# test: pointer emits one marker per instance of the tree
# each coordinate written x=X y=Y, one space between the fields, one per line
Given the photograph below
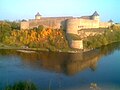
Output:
x=15 y=25
x=40 y=27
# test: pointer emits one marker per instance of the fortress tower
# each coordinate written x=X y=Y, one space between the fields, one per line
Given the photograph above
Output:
x=84 y=22
x=111 y=22
x=95 y=16
x=37 y=16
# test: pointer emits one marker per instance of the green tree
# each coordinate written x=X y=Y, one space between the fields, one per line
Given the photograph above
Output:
x=40 y=27
x=15 y=25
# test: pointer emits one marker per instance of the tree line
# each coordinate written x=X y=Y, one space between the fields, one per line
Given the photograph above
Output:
x=110 y=36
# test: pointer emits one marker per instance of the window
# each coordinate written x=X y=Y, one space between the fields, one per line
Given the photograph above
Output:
x=80 y=26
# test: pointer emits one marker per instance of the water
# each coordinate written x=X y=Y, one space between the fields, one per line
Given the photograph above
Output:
x=63 y=71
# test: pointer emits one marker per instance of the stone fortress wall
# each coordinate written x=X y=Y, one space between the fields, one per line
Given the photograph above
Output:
x=72 y=25
x=52 y=22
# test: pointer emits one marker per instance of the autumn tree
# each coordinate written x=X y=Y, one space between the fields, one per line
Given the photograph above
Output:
x=40 y=27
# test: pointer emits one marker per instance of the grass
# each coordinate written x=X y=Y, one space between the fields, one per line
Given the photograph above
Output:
x=26 y=85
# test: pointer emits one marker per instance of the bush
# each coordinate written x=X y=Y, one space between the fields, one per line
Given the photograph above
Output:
x=115 y=27
x=40 y=27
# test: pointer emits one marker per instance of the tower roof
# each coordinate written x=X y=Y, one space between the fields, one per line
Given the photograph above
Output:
x=38 y=14
x=95 y=14
x=110 y=20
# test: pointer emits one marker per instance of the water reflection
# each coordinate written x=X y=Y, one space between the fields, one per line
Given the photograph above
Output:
x=62 y=62
x=68 y=64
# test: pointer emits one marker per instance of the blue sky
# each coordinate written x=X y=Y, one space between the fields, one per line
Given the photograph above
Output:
x=26 y=9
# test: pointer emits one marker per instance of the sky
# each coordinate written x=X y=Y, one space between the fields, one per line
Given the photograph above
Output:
x=26 y=9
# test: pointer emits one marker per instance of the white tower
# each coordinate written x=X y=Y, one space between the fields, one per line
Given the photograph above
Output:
x=37 y=16
x=96 y=16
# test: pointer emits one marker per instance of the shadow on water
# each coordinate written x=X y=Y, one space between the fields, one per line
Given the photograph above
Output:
x=67 y=63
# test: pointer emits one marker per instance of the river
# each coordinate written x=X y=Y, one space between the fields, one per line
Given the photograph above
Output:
x=63 y=71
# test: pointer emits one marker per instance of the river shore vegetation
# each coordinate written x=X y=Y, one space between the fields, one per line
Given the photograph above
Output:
x=111 y=35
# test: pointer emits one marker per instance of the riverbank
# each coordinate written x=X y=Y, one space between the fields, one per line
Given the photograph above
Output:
x=28 y=50
x=35 y=50
x=27 y=85
x=89 y=43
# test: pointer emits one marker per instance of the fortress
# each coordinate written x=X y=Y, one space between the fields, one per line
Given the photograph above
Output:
x=72 y=25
